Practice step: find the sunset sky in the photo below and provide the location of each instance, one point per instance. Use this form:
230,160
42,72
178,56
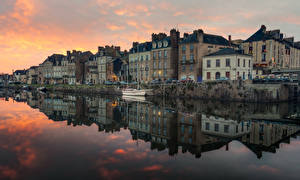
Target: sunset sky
31,30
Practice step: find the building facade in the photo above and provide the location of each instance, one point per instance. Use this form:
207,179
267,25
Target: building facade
164,55
192,48
227,63
140,62
271,50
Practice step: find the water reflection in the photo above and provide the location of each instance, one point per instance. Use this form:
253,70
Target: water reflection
175,125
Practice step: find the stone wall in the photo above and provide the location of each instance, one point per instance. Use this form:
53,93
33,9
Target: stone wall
229,91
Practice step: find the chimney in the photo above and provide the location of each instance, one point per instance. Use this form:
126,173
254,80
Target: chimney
263,27
229,39
68,53
185,35
135,44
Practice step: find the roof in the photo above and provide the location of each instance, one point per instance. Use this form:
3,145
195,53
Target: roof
258,36
168,39
207,38
142,47
22,72
263,35
215,39
226,51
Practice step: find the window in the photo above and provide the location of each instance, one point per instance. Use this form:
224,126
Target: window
154,64
244,63
249,63
208,63
250,50
238,62
159,54
191,67
154,55
183,49
228,75
263,57
165,65
217,127
142,58
227,62
166,53
207,126
208,75
263,48
192,57
226,128
183,58
191,47
218,63
243,75
218,75
237,129
147,57
183,68
159,64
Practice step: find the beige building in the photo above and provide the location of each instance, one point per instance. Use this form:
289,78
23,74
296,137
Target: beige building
92,71
227,63
192,48
271,50
140,62
164,55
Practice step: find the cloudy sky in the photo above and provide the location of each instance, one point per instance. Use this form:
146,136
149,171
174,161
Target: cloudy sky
30,30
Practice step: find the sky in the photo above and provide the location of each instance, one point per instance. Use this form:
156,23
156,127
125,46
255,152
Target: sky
32,30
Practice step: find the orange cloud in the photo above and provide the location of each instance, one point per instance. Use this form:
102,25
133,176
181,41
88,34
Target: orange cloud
153,168
120,152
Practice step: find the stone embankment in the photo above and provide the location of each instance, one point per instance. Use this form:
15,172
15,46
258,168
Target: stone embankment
224,91
232,91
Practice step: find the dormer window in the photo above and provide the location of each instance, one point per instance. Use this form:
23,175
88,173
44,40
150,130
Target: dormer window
159,44
166,43
153,45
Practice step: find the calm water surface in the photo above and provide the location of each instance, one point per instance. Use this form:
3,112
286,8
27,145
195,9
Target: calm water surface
55,136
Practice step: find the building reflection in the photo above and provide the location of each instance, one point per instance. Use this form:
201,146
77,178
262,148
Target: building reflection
181,126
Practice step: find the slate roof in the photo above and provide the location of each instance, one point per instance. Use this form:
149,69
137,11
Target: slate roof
142,47
215,39
226,51
168,39
263,35
21,72
207,38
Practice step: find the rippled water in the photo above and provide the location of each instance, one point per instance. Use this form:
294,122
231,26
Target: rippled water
55,136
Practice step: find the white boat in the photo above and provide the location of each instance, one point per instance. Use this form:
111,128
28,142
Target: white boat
136,92
134,98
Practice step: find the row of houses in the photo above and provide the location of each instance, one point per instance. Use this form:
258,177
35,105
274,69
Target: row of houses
197,56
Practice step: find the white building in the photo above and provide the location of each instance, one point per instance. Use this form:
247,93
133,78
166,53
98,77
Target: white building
227,63
225,128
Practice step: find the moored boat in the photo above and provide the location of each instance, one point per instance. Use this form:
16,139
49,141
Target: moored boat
136,92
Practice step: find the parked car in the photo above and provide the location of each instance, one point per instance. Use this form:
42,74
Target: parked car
123,83
108,83
171,80
223,79
155,81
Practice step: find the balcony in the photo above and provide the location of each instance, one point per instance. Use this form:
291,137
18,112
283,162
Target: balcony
191,61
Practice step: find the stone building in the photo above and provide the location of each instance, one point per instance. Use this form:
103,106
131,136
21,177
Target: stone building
92,76
270,49
32,75
228,63
164,55
20,76
81,58
140,62
192,48
51,71
104,55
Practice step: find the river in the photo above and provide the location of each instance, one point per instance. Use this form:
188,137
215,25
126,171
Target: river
67,136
